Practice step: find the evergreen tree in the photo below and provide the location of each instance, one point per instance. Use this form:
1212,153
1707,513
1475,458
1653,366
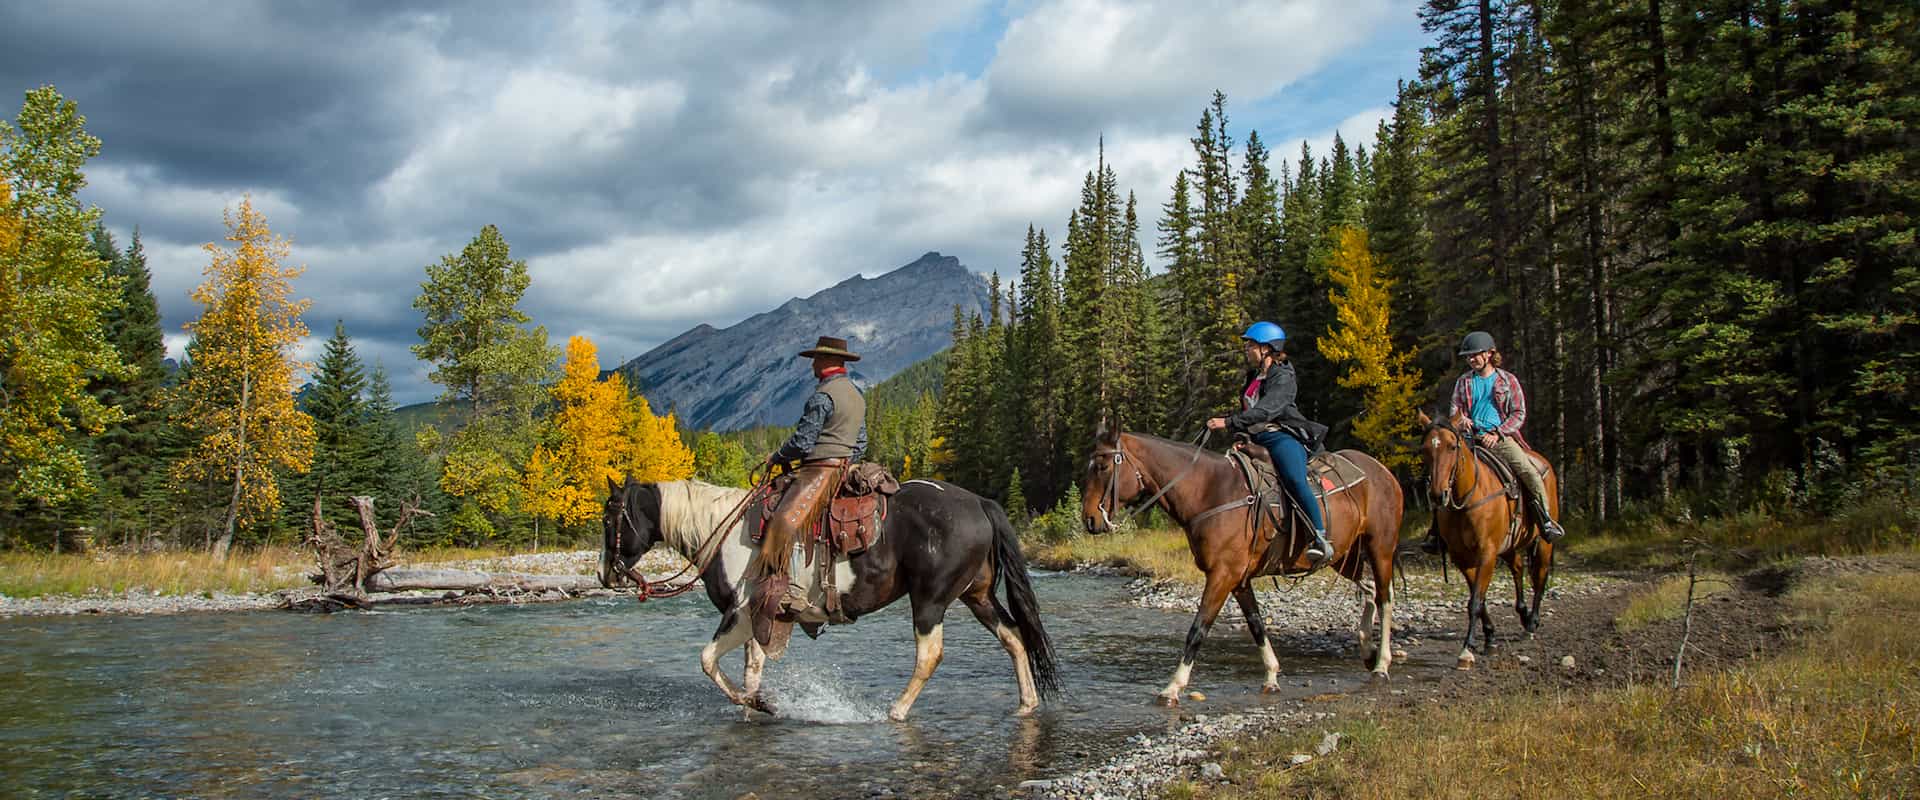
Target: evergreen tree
345,461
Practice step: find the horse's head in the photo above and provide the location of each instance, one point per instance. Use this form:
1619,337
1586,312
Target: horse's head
1112,481
631,526
1441,448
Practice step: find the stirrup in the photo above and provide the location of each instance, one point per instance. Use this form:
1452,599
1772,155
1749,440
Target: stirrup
1551,532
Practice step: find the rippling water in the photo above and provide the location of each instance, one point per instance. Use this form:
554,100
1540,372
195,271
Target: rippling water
599,698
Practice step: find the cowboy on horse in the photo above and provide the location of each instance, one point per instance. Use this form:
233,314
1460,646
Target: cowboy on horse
830,437
1491,399
1274,422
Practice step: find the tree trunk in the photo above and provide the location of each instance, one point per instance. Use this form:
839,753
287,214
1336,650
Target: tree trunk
399,580
239,466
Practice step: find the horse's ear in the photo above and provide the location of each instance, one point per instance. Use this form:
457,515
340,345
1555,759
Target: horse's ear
1105,433
612,488
1424,419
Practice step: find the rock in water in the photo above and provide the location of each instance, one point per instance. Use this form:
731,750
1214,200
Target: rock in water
1196,697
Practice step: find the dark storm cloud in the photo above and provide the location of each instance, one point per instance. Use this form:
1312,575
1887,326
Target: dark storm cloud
659,165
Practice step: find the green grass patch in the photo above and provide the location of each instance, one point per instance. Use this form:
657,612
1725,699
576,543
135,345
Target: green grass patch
1877,524
1839,716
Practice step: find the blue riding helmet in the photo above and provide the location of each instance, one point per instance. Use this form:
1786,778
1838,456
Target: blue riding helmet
1265,333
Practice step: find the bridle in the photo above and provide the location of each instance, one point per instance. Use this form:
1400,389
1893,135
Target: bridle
696,565
1462,454
1109,499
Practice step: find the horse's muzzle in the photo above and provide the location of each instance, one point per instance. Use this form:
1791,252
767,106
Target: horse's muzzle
1096,525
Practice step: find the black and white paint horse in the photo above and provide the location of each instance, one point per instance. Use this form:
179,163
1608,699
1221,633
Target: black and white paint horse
939,543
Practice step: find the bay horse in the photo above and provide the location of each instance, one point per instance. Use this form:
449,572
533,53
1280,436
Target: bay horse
938,543
1204,493
1479,529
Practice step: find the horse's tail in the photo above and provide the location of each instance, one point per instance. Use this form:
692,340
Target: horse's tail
1021,610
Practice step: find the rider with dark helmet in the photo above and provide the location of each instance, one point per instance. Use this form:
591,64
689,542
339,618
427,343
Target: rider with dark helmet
1491,398
1271,418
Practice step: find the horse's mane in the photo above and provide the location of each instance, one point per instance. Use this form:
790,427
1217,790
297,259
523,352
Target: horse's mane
691,509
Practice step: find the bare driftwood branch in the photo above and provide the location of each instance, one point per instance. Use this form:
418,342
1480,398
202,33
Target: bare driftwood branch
400,580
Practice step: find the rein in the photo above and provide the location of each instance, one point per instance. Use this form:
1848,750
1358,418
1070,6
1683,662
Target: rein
702,556
1119,454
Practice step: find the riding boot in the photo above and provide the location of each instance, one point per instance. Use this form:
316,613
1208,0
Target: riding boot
1549,529
1433,545
1320,550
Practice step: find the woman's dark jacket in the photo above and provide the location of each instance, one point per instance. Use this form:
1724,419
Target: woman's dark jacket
1274,409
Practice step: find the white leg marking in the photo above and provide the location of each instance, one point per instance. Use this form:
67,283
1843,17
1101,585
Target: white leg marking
927,652
720,646
1023,674
1385,660
1171,694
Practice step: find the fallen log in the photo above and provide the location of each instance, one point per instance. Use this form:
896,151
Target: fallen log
401,580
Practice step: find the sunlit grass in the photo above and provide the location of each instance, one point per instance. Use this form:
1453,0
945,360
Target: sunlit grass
1156,552
1667,600
169,573
175,573
1877,524
1837,717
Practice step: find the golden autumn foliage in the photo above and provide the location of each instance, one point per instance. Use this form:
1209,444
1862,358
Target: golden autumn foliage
237,397
598,433
1360,339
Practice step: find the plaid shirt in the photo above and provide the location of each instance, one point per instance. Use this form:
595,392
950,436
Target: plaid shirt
1508,399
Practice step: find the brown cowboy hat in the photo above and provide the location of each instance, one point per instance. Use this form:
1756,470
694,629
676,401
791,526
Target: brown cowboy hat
830,347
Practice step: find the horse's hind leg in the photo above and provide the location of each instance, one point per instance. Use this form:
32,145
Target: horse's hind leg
1211,599
1382,598
1540,565
1519,591
756,665
981,604
928,648
1257,628
1354,569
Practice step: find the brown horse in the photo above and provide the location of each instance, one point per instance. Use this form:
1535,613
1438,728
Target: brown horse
1482,524
1229,536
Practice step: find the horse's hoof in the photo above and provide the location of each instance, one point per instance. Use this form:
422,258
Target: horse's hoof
1378,678
1270,688
1168,700
755,702
897,715
1025,711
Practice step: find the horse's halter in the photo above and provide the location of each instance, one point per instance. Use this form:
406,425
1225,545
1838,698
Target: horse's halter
617,559
1462,453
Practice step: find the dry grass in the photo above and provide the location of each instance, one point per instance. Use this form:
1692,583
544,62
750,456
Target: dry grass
172,573
1667,600
1157,552
111,573
1838,717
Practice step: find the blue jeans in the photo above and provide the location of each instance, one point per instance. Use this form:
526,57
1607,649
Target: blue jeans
1290,464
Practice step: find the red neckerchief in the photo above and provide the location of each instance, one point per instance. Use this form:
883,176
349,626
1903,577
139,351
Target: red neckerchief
832,372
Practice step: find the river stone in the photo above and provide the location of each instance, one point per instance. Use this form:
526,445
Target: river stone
1328,744
1196,697
1298,759
1523,659
1036,784
1212,771
1566,662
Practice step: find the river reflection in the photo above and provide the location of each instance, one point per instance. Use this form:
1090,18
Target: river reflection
598,698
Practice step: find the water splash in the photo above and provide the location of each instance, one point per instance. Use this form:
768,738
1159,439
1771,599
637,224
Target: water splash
815,693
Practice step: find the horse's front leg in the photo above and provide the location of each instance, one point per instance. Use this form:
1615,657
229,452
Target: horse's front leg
755,667
731,634
1257,628
928,648
1211,599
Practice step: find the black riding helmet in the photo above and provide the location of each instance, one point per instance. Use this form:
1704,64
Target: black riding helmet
1476,342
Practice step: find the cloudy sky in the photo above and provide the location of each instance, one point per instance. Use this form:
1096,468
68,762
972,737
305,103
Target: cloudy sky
660,165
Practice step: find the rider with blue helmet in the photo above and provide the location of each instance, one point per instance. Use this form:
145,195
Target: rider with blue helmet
1269,415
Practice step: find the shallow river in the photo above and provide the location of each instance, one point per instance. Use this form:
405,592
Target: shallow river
595,698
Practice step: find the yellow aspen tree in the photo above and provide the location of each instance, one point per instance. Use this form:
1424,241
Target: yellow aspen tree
652,448
1359,339
585,437
237,397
